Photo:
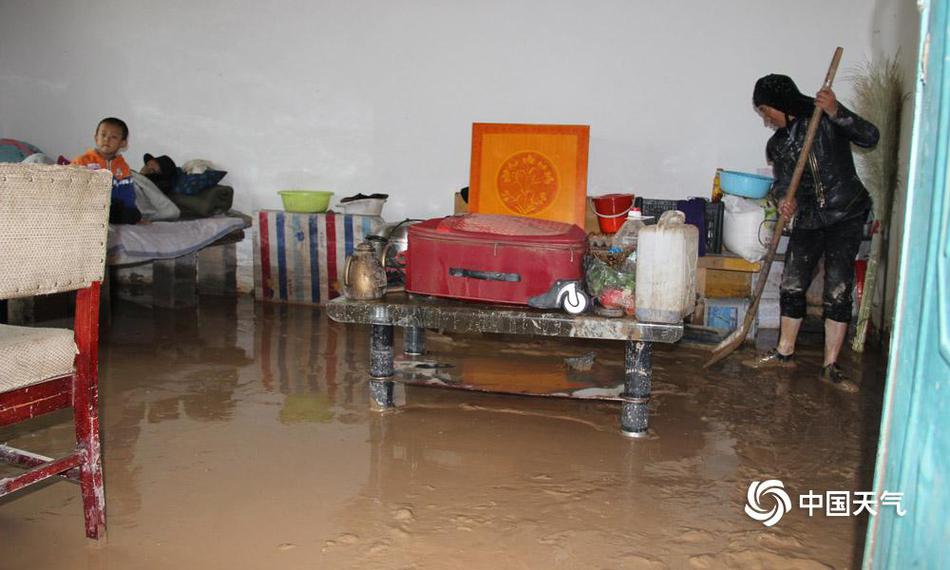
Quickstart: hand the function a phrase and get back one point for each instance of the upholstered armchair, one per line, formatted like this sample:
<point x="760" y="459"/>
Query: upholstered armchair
<point x="53" y="226"/>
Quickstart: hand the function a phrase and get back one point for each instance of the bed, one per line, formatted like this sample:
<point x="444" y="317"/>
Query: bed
<point x="140" y="243"/>
<point x="181" y="231"/>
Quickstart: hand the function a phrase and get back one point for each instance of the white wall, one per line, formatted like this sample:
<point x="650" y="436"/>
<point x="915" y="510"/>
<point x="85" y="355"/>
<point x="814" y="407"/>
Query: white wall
<point x="362" y="96"/>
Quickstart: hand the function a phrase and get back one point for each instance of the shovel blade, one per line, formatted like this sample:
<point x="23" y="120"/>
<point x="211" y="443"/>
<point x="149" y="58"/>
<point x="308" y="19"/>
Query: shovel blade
<point x="727" y="346"/>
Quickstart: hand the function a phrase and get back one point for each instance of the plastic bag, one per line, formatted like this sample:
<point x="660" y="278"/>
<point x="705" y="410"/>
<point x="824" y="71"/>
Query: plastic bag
<point x="745" y="229"/>
<point x="612" y="288"/>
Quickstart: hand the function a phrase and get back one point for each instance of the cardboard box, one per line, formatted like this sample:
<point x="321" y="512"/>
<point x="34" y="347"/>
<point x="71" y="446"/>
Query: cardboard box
<point x="461" y="207"/>
<point x="720" y="283"/>
<point x="774" y="282"/>
<point x="727" y="315"/>
<point x="728" y="261"/>
<point x="591" y="225"/>
<point x="769" y="316"/>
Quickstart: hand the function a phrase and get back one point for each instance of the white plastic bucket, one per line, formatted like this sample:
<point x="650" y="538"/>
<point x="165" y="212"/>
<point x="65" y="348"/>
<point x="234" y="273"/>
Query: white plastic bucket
<point x="362" y="207"/>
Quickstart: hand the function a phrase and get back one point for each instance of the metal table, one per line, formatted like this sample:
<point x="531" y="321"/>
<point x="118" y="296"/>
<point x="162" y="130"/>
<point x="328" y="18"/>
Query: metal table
<point x="416" y="314"/>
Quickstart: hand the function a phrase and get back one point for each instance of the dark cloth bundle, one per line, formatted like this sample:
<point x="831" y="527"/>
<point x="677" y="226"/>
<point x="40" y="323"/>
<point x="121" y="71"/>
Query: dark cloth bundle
<point x="164" y="179"/>
<point x="206" y="203"/>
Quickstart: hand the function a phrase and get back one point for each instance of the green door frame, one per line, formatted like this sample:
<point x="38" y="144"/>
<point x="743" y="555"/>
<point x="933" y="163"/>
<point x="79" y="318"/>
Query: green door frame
<point x="913" y="457"/>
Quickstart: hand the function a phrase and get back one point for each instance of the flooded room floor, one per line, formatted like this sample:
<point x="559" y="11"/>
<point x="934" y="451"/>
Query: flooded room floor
<point x="239" y="435"/>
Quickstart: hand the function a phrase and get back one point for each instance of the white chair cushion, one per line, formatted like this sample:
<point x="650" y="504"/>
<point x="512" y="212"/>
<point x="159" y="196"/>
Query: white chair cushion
<point x="53" y="224"/>
<point x="29" y="355"/>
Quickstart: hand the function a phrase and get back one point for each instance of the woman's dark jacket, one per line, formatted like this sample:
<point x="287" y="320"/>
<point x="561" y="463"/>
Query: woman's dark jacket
<point x="838" y="194"/>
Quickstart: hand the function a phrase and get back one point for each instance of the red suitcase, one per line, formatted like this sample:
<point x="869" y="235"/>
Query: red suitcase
<point x="502" y="259"/>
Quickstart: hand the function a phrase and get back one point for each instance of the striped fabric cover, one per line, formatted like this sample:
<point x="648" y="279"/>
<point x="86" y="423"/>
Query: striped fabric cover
<point x="299" y="258"/>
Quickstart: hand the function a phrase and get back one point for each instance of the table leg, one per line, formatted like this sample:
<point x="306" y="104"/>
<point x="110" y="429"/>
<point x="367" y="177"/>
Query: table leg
<point x="381" y="366"/>
<point x="415" y="341"/>
<point x="635" y="413"/>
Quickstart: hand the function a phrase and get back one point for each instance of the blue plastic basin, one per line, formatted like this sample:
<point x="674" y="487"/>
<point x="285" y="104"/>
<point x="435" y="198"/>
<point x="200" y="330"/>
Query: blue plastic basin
<point x="745" y="184"/>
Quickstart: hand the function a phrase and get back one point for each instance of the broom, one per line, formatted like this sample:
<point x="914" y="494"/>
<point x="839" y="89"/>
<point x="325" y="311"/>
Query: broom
<point x="879" y="99"/>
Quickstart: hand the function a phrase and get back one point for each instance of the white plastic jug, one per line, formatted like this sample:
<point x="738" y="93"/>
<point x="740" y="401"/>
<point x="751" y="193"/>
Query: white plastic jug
<point x="666" y="269"/>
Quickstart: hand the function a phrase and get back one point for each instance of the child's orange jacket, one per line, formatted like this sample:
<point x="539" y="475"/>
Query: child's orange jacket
<point x="118" y="165"/>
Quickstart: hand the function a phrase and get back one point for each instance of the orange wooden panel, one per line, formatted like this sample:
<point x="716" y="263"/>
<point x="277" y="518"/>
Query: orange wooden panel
<point x="722" y="283"/>
<point x="727" y="261"/>
<point x="537" y="171"/>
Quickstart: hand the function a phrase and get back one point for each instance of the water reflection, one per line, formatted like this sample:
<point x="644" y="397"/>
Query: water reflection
<point x="201" y="406"/>
<point x="191" y="358"/>
<point x="158" y="366"/>
<point x="312" y="363"/>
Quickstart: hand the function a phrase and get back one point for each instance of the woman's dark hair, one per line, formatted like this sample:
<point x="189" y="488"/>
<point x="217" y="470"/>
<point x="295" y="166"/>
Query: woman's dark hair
<point x="781" y="93"/>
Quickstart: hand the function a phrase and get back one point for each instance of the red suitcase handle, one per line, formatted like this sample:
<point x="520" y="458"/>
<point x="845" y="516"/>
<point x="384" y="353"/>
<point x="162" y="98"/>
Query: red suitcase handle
<point x="485" y="275"/>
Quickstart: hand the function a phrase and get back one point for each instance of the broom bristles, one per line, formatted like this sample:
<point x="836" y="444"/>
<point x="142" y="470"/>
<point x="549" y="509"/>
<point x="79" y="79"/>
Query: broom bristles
<point x="879" y="97"/>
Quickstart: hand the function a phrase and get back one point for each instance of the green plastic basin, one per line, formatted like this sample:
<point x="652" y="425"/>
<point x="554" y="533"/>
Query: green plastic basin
<point x="306" y="201"/>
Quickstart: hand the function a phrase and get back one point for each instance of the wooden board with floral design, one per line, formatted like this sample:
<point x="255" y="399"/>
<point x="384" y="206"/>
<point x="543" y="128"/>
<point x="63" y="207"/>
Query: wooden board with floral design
<point x="537" y="171"/>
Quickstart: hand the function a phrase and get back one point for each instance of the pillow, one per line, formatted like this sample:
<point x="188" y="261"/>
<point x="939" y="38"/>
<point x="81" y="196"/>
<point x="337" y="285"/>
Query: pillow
<point x="191" y="184"/>
<point x="12" y="150"/>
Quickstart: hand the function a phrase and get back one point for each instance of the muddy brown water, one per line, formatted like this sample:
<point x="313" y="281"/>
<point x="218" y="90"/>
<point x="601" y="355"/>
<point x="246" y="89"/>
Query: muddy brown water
<point x="239" y="435"/>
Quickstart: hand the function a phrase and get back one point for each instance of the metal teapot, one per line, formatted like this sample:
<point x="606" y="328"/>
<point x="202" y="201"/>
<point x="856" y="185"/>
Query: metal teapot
<point x="391" y="242"/>
<point x="363" y="277"/>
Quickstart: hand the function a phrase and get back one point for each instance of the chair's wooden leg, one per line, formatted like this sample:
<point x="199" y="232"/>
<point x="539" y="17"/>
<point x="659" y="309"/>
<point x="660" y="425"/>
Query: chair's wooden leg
<point x="86" y="411"/>
<point x="90" y="470"/>
<point x="90" y="482"/>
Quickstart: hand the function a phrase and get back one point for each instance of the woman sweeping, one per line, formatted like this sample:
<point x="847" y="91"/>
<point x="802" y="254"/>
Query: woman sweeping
<point x="829" y="211"/>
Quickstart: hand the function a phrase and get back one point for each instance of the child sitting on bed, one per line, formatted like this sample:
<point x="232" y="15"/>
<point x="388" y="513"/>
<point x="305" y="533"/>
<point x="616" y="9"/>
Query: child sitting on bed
<point x="111" y="138"/>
